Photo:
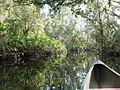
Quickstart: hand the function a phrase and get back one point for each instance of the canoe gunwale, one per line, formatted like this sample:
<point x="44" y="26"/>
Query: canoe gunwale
<point x="87" y="80"/>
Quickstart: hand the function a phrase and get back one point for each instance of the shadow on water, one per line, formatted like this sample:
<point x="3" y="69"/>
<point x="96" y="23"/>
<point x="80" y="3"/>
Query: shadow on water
<point x="51" y="73"/>
<point x="27" y="74"/>
<point x="112" y="61"/>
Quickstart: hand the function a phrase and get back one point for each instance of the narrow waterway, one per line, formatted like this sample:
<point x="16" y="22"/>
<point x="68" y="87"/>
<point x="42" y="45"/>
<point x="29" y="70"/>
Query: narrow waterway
<point x="52" y="73"/>
<point x="69" y="74"/>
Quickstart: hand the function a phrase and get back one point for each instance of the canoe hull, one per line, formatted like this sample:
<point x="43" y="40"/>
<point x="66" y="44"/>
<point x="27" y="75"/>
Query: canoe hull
<point x="101" y="77"/>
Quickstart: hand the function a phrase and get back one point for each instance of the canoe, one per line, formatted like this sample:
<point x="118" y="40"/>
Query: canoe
<point x="101" y="77"/>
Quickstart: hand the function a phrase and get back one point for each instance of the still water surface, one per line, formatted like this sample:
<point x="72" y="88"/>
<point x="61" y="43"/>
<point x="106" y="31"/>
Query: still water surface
<point x="56" y="73"/>
<point x="69" y="74"/>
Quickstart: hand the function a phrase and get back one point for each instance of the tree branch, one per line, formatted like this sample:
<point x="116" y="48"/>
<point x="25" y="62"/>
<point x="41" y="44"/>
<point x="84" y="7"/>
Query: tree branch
<point x="115" y="14"/>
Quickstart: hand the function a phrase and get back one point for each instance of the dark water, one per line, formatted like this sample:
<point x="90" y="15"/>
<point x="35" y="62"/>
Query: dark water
<point x="53" y="73"/>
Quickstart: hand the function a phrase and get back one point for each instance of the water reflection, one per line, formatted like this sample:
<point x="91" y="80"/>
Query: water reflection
<point x="27" y="75"/>
<point x="69" y="74"/>
<point x="52" y="73"/>
<point x="112" y="61"/>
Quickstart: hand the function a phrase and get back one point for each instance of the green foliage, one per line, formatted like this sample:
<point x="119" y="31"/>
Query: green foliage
<point x="54" y="4"/>
<point x="55" y="27"/>
<point x="17" y="42"/>
<point x="63" y="27"/>
<point x="24" y="29"/>
<point x="103" y="23"/>
<point x="2" y="26"/>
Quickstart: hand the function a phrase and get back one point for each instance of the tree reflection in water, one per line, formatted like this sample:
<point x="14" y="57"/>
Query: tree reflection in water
<point x="26" y="74"/>
<point x="69" y="74"/>
<point x="112" y="61"/>
<point x="52" y="73"/>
